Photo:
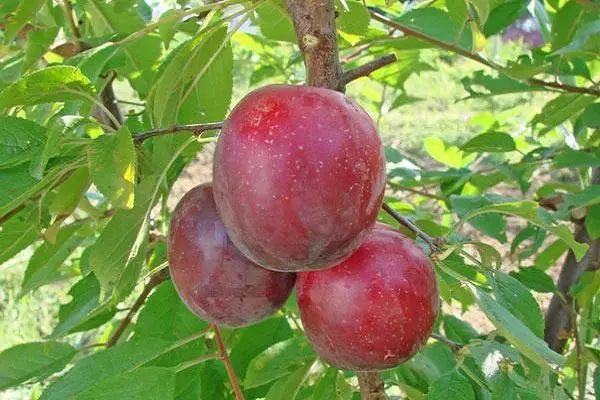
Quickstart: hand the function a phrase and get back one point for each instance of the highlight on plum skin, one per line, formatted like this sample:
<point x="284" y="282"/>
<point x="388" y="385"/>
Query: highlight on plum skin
<point x="299" y="176"/>
<point x="374" y="310"/>
<point x="212" y="277"/>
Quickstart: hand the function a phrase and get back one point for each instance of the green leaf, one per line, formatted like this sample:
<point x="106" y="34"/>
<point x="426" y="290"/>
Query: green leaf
<point x="491" y="142"/>
<point x="69" y="193"/>
<point x="550" y="255"/>
<point x="140" y="59"/>
<point x="332" y="386"/>
<point x="588" y="197"/>
<point x="354" y="20"/>
<point x="274" y="21"/>
<point x="17" y="233"/>
<point x="482" y="85"/>
<point x="165" y="316"/>
<point x="458" y="330"/>
<point x="33" y="362"/>
<point x="437" y="24"/>
<point x="452" y="385"/>
<point x="50" y="149"/>
<point x="112" y="164"/>
<point x="149" y="383"/>
<point x="105" y="19"/>
<point x="535" y="279"/>
<point x="287" y="388"/>
<point x="591" y="116"/>
<point x="262" y="73"/>
<point x="492" y="225"/>
<point x="503" y="15"/>
<point x="597" y="382"/>
<point x="85" y="296"/>
<point x="52" y="84"/>
<point x="26" y="10"/>
<point x="38" y="43"/>
<point x="584" y="34"/>
<point x="396" y="74"/>
<point x="20" y="139"/>
<point x="576" y="159"/>
<point x="561" y="108"/>
<point x="532" y="212"/>
<point x="278" y="361"/>
<point x="516" y="332"/>
<point x="565" y="23"/>
<point x="517" y="299"/>
<point x="404" y="100"/>
<point x="592" y="221"/>
<point x="451" y="156"/>
<point x="100" y="366"/>
<point x="457" y="9"/>
<point x="44" y="264"/>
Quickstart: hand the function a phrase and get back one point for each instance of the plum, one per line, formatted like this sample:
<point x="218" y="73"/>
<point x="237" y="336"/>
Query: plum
<point x="299" y="175"/>
<point x="374" y="310"/>
<point x="212" y="277"/>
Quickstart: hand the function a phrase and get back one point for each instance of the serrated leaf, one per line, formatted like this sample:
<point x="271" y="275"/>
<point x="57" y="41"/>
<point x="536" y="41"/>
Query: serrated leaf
<point x="85" y="295"/>
<point x="112" y="164"/>
<point x="535" y="279"/>
<point x="516" y="332"/>
<point x="44" y="264"/>
<point x="51" y="84"/>
<point x="480" y="84"/>
<point x="355" y="19"/>
<point x="561" y="108"/>
<point x="33" y="362"/>
<point x="458" y="330"/>
<point x="332" y="386"/>
<point x="516" y="298"/>
<point x="20" y="139"/>
<point x="576" y="159"/>
<point x="26" y="10"/>
<point x="274" y="21"/>
<point x="278" y="361"/>
<point x="491" y="142"/>
<point x="492" y="225"/>
<point x="17" y="233"/>
<point x="536" y="215"/>
<point x="106" y="364"/>
<point x="38" y="43"/>
<point x="503" y="15"/>
<point x="149" y="383"/>
<point x="452" y="385"/>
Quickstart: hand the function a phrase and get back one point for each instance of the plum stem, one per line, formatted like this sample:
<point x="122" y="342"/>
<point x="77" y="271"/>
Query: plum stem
<point x="227" y="361"/>
<point x="196" y="129"/>
<point x="154" y="281"/>
<point x="368" y="68"/>
<point x="434" y="244"/>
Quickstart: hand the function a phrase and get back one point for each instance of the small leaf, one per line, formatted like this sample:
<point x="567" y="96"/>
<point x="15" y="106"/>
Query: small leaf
<point x="503" y="15"/>
<point x="451" y="156"/>
<point x="149" y="383"/>
<point x="274" y="21"/>
<point x="535" y="279"/>
<point x="112" y="165"/>
<point x="492" y="142"/>
<point x="561" y="108"/>
<point x="33" y="362"/>
<point x="516" y="332"/>
<point x="26" y="10"/>
<point x="550" y="255"/>
<point x="50" y="149"/>
<point x="44" y="264"/>
<point x="355" y="19"/>
<point x="17" y="233"/>
<point x="332" y="386"/>
<point x="458" y="330"/>
<point x="38" y="43"/>
<point x="576" y="159"/>
<point x="452" y="385"/>
<point x="287" y="388"/>
<point x="52" y="84"/>
<point x="20" y="139"/>
<point x="262" y="73"/>
<point x="69" y="193"/>
<point x="278" y="361"/>
<point x="404" y="100"/>
<point x="592" y="222"/>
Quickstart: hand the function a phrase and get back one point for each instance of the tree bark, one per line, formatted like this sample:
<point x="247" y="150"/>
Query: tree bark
<point x="558" y="322"/>
<point x="314" y="23"/>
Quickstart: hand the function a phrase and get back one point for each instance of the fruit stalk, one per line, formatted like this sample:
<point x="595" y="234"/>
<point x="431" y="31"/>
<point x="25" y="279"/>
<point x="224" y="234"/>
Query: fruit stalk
<point x="230" y="372"/>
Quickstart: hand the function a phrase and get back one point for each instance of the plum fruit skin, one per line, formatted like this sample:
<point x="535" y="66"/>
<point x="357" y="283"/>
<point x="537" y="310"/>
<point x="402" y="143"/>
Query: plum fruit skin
<point x="299" y="176"/>
<point x="375" y="309"/>
<point x="212" y="277"/>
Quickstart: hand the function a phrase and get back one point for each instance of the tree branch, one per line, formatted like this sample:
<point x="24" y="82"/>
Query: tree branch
<point x="434" y="244"/>
<point x="454" y="346"/>
<point x="69" y="13"/>
<point x="368" y="68"/>
<point x="476" y="57"/>
<point x="230" y="372"/>
<point x="154" y="281"/>
<point x="196" y="129"/>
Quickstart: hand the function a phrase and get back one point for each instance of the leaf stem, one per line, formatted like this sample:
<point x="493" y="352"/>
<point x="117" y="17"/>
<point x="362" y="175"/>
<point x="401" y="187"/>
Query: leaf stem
<point x="227" y="361"/>
<point x="476" y="57"/>
<point x="196" y="129"/>
<point x="454" y="346"/>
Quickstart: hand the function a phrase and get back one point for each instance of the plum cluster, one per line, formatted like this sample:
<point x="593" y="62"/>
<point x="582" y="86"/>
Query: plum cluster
<point x="299" y="178"/>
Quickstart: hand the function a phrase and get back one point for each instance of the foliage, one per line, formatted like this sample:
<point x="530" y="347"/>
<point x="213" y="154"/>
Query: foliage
<point x="85" y="200"/>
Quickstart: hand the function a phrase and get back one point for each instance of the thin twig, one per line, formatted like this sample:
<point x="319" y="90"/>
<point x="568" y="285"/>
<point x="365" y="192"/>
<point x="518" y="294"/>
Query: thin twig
<point x="476" y="57"/>
<point x="154" y="281"/>
<point x="69" y="13"/>
<point x="230" y="372"/>
<point x="368" y="68"/>
<point x="431" y="242"/>
<point x="196" y="129"/>
<point x="454" y="346"/>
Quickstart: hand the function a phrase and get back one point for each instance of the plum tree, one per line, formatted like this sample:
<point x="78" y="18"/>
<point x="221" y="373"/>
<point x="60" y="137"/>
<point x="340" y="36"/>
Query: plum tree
<point x="375" y="309"/>
<point x="299" y="175"/>
<point x="212" y="277"/>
